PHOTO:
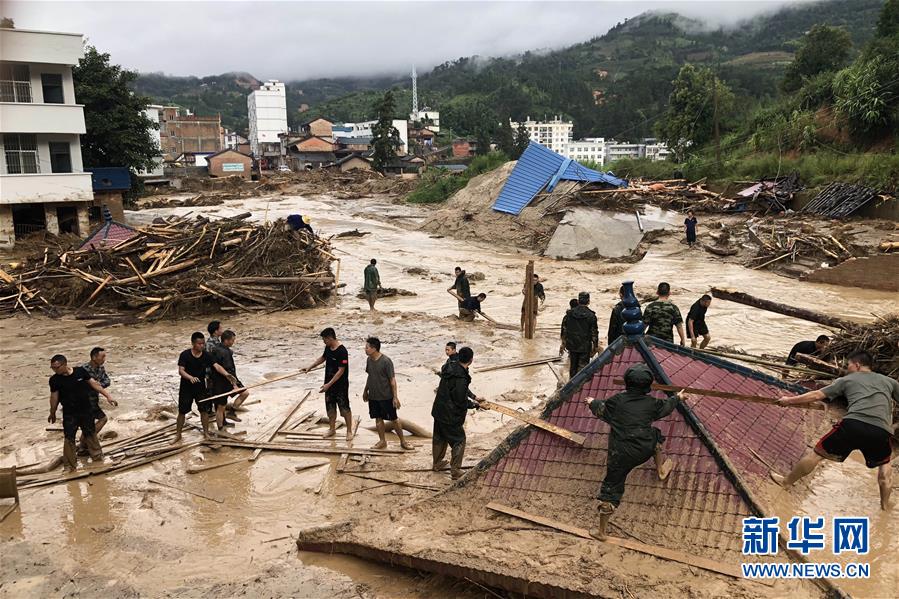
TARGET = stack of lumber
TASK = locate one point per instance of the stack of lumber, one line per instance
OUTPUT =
(840, 199)
(781, 242)
(678, 194)
(177, 265)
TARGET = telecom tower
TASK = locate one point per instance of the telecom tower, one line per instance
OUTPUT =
(414, 94)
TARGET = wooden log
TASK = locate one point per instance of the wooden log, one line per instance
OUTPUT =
(280, 426)
(139, 274)
(280, 280)
(224, 297)
(534, 421)
(762, 362)
(96, 292)
(189, 492)
(292, 448)
(660, 552)
(161, 271)
(801, 313)
(818, 364)
(726, 395)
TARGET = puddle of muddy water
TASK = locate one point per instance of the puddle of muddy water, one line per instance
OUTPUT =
(156, 540)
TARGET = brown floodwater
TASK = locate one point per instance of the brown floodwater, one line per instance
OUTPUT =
(125, 535)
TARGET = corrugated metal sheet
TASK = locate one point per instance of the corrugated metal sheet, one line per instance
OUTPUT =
(111, 178)
(537, 167)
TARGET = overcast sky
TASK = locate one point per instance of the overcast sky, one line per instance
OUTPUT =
(301, 40)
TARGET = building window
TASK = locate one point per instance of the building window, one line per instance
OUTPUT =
(60, 157)
(20, 150)
(52, 86)
(15, 83)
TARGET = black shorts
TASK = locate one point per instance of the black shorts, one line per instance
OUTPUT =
(699, 328)
(337, 399)
(221, 385)
(382, 410)
(194, 393)
(848, 435)
(96, 410)
(72, 420)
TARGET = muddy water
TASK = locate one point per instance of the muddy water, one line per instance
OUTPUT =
(125, 534)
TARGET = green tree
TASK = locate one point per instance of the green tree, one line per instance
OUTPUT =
(118, 132)
(385, 138)
(506, 139)
(690, 120)
(888, 22)
(483, 141)
(522, 139)
(822, 49)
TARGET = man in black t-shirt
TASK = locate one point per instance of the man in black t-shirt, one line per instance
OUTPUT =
(337, 382)
(72, 388)
(696, 326)
(192, 365)
(470, 307)
(223, 378)
(810, 348)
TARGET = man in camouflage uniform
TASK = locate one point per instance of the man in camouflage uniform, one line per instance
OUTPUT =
(662, 315)
(580, 334)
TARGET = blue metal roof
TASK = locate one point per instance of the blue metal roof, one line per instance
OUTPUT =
(111, 178)
(539, 166)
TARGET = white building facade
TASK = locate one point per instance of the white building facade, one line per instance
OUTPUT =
(429, 118)
(153, 112)
(365, 129)
(42, 181)
(267, 111)
(555, 134)
(589, 149)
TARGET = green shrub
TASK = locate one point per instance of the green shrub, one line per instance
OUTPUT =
(437, 185)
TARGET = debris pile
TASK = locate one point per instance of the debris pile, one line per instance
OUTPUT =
(776, 194)
(675, 194)
(880, 338)
(782, 241)
(177, 265)
(840, 199)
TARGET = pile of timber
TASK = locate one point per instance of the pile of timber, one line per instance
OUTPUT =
(173, 266)
(841, 199)
(775, 194)
(677, 194)
(880, 338)
(781, 242)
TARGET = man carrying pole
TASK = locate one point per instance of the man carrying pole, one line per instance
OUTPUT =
(633, 439)
(451, 405)
(337, 382)
(461, 286)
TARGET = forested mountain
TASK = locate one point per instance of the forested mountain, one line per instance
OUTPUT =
(613, 85)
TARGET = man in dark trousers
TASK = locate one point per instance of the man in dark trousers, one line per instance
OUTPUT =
(72, 387)
(696, 326)
(451, 405)
(633, 439)
(220, 383)
(471, 307)
(193, 364)
(337, 382)
(810, 348)
(616, 323)
(580, 334)
(371, 283)
(867, 426)
(461, 286)
(96, 369)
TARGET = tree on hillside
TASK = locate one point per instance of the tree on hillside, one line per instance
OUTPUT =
(506, 139)
(385, 138)
(522, 139)
(822, 49)
(690, 120)
(483, 143)
(118, 132)
(888, 23)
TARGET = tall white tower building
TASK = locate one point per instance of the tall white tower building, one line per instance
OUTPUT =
(267, 111)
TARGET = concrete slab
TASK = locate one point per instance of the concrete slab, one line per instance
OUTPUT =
(609, 234)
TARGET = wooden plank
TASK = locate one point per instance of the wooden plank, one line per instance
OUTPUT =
(198, 469)
(96, 291)
(302, 448)
(654, 550)
(522, 364)
(534, 421)
(280, 426)
(254, 385)
(727, 395)
(530, 301)
(194, 493)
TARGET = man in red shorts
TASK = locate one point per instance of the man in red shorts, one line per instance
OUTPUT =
(867, 425)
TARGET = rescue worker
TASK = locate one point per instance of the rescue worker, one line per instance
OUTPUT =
(461, 286)
(300, 222)
(662, 315)
(451, 405)
(580, 334)
(616, 322)
(633, 439)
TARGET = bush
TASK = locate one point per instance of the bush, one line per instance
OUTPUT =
(437, 185)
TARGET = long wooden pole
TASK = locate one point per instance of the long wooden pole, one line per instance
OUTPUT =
(726, 395)
(801, 313)
(530, 302)
(253, 386)
(523, 364)
(534, 421)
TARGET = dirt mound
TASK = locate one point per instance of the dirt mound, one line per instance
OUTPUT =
(468, 214)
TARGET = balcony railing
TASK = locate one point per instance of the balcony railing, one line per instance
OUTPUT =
(15, 91)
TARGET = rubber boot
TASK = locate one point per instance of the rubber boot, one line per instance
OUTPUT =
(438, 447)
(456, 461)
(68, 455)
(93, 447)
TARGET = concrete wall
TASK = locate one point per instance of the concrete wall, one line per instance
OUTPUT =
(874, 272)
(217, 166)
(191, 134)
(28, 45)
(36, 189)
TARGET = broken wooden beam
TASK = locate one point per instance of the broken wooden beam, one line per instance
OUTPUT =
(726, 395)
(801, 313)
(534, 421)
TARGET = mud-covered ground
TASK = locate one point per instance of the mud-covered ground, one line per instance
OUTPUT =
(123, 535)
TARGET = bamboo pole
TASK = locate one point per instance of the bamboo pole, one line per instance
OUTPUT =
(253, 386)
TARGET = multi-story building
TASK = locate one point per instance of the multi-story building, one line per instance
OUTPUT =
(153, 112)
(42, 181)
(655, 150)
(616, 150)
(429, 119)
(555, 134)
(267, 111)
(234, 140)
(182, 133)
(589, 149)
(365, 129)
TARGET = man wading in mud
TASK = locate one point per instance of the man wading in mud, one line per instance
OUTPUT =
(380, 393)
(451, 405)
(634, 440)
(580, 334)
(337, 382)
(72, 387)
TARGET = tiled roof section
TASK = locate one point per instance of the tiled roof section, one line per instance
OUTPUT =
(109, 235)
(777, 435)
(697, 506)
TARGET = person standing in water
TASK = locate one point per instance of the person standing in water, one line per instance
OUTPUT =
(690, 228)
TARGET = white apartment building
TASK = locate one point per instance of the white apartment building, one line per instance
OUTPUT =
(555, 134)
(267, 111)
(153, 112)
(589, 149)
(615, 150)
(233, 139)
(364, 129)
(431, 117)
(42, 183)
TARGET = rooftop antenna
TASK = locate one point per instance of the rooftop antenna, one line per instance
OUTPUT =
(414, 94)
